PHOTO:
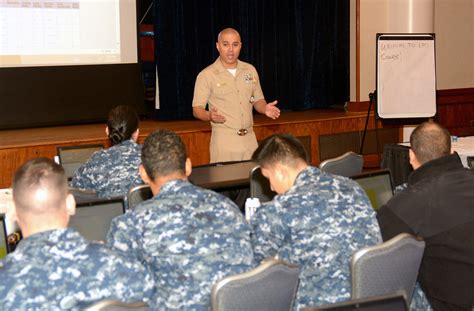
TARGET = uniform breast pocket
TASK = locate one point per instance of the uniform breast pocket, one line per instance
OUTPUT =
(222, 90)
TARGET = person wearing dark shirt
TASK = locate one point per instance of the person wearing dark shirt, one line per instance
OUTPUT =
(437, 205)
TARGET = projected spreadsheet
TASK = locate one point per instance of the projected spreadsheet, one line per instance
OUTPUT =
(59, 32)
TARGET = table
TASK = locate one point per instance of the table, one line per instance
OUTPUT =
(219, 176)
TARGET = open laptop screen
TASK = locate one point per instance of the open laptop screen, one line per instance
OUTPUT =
(92, 219)
(3, 237)
(72, 157)
(377, 185)
(392, 302)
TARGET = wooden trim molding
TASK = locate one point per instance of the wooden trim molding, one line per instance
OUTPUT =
(359, 106)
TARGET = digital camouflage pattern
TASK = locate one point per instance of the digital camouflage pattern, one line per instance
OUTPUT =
(190, 238)
(59, 269)
(317, 224)
(111, 172)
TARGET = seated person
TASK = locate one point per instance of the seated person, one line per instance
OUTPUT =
(112, 172)
(438, 205)
(189, 237)
(317, 221)
(53, 267)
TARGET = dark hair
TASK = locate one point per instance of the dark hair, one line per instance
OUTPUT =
(39, 173)
(284, 148)
(122, 123)
(430, 141)
(163, 153)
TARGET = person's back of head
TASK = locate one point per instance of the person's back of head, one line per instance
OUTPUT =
(122, 123)
(40, 196)
(281, 158)
(282, 148)
(430, 141)
(164, 156)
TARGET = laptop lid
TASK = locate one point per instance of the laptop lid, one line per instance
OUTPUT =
(72, 157)
(377, 185)
(92, 219)
(3, 237)
(392, 302)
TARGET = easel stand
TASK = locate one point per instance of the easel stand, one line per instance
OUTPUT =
(372, 101)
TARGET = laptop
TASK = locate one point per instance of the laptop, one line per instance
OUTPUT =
(377, 185)
(3, 237)
(93, 217)
(392, 302)
(72, 157)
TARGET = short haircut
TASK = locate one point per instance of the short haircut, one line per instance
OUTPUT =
(163, 153)
(227, 30)
(122, 123)
(283, 148)
(39, 174)
(430, 141)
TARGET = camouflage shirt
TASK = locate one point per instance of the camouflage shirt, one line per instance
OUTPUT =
(111, 172)
(59, 269)
(190, 238)
(318, 223)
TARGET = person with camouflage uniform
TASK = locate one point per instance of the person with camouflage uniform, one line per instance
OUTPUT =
(189, 237)
(53, 267)
(112, 172)
(317, 221)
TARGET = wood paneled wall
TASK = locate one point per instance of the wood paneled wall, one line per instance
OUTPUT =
(456, 110)
(18, 146)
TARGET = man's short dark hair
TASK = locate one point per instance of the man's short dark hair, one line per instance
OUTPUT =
(163, 153)
(36, 174)
(430, 141)
(284, 148)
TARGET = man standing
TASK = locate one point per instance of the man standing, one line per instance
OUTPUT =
(189, 237)
(53, 267)
(317, 221)
(231, 88)
(438, 205)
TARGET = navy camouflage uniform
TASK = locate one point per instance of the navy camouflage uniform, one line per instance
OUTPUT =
(318, 223)
(190, 238)
(59, 269)
(111, 172)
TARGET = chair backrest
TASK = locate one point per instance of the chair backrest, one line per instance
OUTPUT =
(72, 157)
(348, 164)
(270, 286)
(260, 186)
(387, 268)
(138, 194)
(115, 305)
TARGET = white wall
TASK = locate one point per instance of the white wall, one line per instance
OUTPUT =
(453, 25)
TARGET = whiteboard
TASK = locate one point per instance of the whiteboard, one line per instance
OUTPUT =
(406, 76)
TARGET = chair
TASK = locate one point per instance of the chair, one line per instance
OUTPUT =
(138, 194)
(348, 164)
(115, 305)
(387, 268)
(260, 186)
(270, 286)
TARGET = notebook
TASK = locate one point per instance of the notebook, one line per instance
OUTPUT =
(72, 157)
(393, 302)
(377, 185)
(92, 219)
(3, 237)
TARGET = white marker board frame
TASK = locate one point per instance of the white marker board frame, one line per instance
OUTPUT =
(406, 76)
